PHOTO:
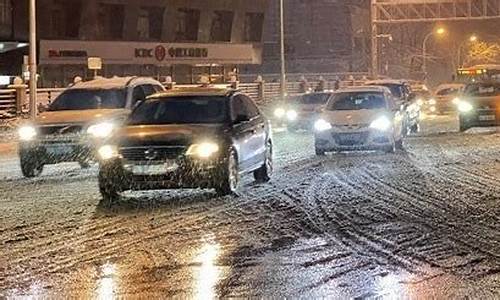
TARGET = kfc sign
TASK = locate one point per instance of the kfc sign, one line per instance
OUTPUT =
(160, 52)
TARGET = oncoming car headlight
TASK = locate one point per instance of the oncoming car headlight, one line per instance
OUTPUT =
(291, 115)
(322, 125)
(464, 106)
(420, 101)
(455, 101)
(107, 152)
(27, 133)
(101, 130)
(382, 124)
(279, 113)
(203, 150)
(432, 102)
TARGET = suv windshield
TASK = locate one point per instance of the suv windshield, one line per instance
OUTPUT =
(483, 89)
(396, 89)
(181, 110)
(84, 99)
(311, 99)
(357, 101)
(448, 91)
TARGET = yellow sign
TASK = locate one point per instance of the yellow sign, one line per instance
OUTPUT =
(94, 63)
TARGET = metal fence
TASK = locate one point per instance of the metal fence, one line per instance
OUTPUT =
(13, 101)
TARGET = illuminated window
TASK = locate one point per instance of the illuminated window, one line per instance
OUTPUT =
(188, 21)
(254, 23)
(222, 24)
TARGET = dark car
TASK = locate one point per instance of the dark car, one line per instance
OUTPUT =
(408, 100)
(78, 119)
(303, 110)
(479, 105)
(193, 138)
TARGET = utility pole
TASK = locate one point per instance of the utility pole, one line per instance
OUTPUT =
(32, 59)
(374, 39)
(282, 50)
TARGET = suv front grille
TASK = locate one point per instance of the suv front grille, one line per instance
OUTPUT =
(60, 130)
(155, 153)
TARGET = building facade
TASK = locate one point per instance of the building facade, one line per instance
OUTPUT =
(321, 36)
(179, 38)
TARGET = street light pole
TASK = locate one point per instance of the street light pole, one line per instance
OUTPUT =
(282, 51)
(439, 31)
(424, 54)
(374, 39)
(32, 59)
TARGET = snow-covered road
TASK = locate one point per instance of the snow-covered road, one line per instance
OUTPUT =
(421, 223)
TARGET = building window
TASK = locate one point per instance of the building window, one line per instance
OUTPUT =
(222, 23)
(150, 23)
(111, 18)
(5, 12)
(254, 23)
(188, 22)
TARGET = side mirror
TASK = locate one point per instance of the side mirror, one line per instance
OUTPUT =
(241, 119)
(137, 103)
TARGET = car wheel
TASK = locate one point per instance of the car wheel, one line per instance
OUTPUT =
(84, 164)
(399, 144)
(415, 128)
(230, 176)
(320, 152)
(463, 126)
(264, 173)
(391, 148)
(109, 192)
(30, 166)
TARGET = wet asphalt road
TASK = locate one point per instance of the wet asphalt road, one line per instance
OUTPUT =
(421, 223)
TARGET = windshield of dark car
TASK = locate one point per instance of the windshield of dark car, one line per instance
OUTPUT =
(483, 90)
(448, 91)
(181, 110)
(314, 99)
(85, 99)
(396, 89)
(357, 101)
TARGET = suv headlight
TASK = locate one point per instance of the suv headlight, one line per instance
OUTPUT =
(107, 152)
(27, 133)
(279, 113)
(322, 125)
(291, 115)
(101, 130)
(464, 106)
(203, 150)
(382, 124)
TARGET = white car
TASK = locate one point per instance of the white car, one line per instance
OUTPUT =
(360, 118)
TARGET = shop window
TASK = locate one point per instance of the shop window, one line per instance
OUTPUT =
(150, 23)
(111, 17)
(254, 23)
(222, 23)
(188, 22)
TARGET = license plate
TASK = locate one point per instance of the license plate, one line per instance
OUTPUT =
(350, 137)
(156, 169)
(59, 150)
(487, 118)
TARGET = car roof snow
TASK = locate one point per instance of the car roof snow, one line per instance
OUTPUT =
(109, 83)
(194, 91)
(361, 89)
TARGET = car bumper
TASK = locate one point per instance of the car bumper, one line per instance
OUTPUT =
(355, 140)
(482, 118)
(186, 174)
(52, 152)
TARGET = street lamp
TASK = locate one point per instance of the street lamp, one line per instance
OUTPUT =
(282, 51)
(472, 39)
(440, 31)
(32, 59)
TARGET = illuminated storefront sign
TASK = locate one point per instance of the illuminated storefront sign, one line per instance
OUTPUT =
(130, 53)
